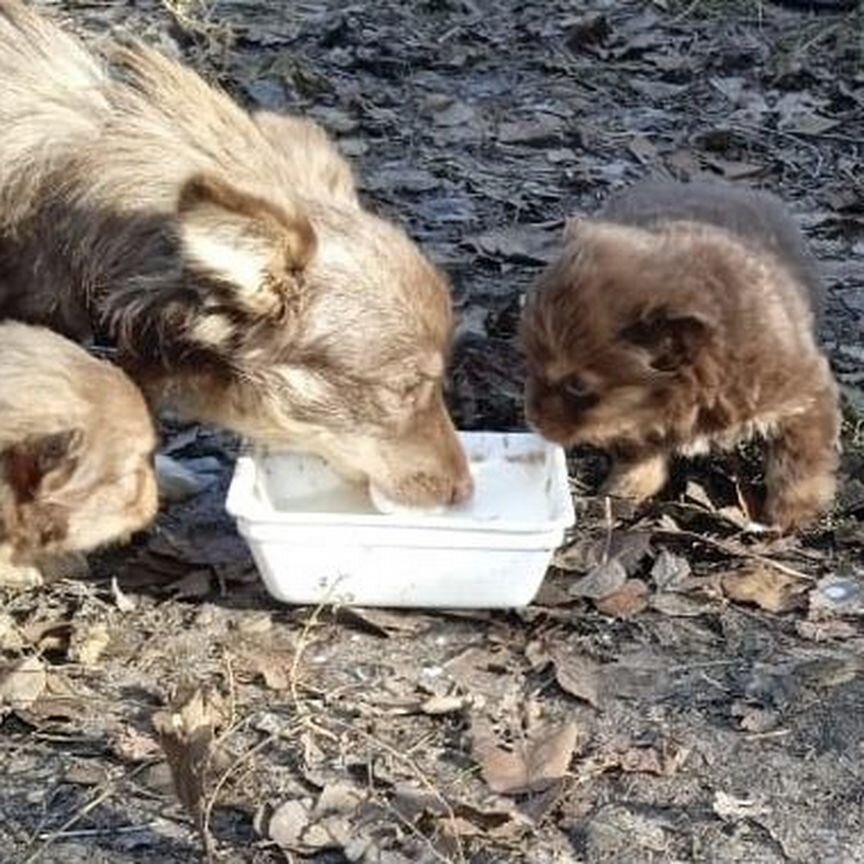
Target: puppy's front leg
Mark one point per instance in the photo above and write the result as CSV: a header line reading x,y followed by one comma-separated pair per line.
x,y
637,476
802,463
17,576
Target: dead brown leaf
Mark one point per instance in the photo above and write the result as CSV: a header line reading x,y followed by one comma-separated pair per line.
x,y
765,587
649,760
22,683
445,704
577,675
288,823
135,746
605,579
298,825
11,637
88,642
534,764
670,571
821,631
123,601
272,667
193,585
629,600
680,605
186,734
61,700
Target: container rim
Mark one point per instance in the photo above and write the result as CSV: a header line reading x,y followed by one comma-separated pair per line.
x,y
242,503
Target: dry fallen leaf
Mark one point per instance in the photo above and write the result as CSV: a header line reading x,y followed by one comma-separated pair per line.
x,y
445,704
88,642
123,601
670,571
603,580
629,600
754,719
298,825
728,807
537,762
288,822
272,667
22,683
764,586
186,735
680,605
648,760
135,746
821,631
577,675
193,585
11,637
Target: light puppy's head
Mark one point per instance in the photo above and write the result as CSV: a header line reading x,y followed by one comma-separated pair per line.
x,y
76,448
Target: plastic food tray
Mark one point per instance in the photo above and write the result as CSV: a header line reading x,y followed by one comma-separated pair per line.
x,y
318,540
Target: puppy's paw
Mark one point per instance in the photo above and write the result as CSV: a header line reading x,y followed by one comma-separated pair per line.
x,y
19,577
637,480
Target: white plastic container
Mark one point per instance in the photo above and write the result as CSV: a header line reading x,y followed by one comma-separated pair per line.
x,y
318,540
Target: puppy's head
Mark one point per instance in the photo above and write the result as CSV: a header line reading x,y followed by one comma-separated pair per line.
x,y
616,334
317,326
76,464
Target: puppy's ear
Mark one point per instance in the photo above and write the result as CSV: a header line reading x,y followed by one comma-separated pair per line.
x,y
255,249
41,464
672,339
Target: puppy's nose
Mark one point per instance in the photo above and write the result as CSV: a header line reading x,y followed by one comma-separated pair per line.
x,y
463,489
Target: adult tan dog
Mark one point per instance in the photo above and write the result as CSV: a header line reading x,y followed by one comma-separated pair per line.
x,y
76,449
682,319
226,254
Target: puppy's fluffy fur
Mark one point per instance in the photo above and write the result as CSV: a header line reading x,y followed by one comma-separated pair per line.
x,y
679,320
226,254
76,448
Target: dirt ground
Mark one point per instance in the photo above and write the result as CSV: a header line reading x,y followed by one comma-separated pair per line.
x,y
682,690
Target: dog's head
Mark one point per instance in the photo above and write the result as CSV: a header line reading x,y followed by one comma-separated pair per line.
x,y
618,334
76,468
315,326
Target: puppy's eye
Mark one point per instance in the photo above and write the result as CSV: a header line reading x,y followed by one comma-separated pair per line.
x,y
575,389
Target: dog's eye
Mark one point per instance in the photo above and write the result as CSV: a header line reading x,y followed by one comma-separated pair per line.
x,y
409,389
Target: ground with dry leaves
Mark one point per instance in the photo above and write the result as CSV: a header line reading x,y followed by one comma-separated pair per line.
x,y
681,690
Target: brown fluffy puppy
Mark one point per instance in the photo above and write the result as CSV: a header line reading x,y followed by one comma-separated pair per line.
x,y
226,254
679,320
76,449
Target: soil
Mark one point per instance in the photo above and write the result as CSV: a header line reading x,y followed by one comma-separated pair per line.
x,y
683,688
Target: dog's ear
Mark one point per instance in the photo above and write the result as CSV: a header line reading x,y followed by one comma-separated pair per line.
x,y
41,464
576,228
671,338
253,249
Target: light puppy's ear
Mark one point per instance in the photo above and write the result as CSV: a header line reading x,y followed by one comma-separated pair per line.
x,y
41,464
254,248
